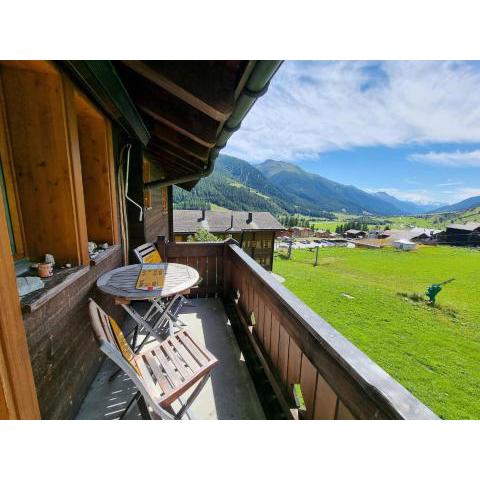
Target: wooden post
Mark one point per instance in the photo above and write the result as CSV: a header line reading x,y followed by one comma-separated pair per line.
x,y
162,248
290,249
316,256
18,397
226,269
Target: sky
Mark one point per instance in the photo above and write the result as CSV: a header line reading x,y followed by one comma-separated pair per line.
x,y
408,128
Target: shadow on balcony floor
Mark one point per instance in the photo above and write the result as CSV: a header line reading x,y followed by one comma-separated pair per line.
x,y
229,394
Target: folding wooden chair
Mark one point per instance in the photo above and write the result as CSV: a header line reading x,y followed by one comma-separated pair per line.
x,y
162,373
148,253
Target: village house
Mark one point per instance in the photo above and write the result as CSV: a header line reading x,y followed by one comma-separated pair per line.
x,y
322,234
89,153
352,233
301,232
416,234
406,245
254,231
467,234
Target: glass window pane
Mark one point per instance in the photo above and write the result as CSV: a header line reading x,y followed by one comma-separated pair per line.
x,y
7,211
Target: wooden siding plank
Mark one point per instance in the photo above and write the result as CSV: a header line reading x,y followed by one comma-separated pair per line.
x,y
294,363
267,325
325,401
259,316
274,340
211,275
343,413
283,355
308,382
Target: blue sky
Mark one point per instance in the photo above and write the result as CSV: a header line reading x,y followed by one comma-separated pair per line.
x,y
409,128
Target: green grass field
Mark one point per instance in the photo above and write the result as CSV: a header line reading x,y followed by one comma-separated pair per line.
x,y
437,221
433,352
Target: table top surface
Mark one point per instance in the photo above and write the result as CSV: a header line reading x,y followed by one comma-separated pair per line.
x,y
121,282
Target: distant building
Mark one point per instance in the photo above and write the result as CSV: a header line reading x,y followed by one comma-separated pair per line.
x,y
302,232
283,233
352,233
378,234
404,244
467,234
321,234
254,231
419,235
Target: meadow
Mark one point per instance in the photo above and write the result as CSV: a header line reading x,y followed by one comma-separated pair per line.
x,y
369,297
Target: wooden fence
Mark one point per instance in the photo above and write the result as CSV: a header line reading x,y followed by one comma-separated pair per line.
x,y
206,258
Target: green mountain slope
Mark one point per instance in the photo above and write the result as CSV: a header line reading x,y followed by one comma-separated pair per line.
x,y
237,185
466,204
326,194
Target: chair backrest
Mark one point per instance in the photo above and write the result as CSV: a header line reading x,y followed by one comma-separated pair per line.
x,y
114,344
147,253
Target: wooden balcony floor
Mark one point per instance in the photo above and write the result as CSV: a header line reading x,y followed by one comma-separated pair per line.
x,y
228,395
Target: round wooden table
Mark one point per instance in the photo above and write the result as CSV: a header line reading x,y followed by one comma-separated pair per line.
x,y
121,284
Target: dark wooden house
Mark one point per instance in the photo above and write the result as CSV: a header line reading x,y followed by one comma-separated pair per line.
x,y
465,235
254,231
352,233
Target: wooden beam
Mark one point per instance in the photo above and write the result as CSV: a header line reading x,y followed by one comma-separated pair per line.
x,y
186,144
102,83
168,109
207,140
18,397
176,152
217,109
75,167
176,163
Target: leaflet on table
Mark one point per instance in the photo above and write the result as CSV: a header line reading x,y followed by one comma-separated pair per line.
x,y
151,277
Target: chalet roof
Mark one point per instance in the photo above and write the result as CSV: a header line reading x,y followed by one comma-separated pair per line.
x,y
416,232
469,227
189,221
183,112
353,231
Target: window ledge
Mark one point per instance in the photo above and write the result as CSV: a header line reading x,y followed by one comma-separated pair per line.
x,y
104,255
53,286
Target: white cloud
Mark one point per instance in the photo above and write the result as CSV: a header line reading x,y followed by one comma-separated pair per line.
x,y
449,159
313,107
463,193
449,183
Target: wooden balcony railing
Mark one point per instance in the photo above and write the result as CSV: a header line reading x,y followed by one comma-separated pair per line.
x,y
296,345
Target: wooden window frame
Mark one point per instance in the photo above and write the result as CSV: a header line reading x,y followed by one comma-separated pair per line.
x,y
96,151
10,184
41,138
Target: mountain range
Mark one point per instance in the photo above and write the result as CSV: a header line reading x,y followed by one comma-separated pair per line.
x,y
285,188
466,204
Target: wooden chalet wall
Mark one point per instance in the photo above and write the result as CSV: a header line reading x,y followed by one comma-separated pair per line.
x,y
18,399
158,205
259,245
58,151
64,353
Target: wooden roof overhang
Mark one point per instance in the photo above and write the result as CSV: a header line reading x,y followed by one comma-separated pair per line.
x,y
182,111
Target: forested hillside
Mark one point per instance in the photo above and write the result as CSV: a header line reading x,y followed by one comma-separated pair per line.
x,y
282,188
237,185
